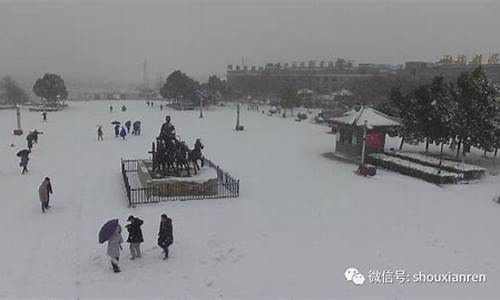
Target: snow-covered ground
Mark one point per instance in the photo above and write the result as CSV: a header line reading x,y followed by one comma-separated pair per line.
x,y
300,221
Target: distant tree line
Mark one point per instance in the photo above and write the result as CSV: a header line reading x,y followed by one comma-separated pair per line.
x,y
462,114
11,92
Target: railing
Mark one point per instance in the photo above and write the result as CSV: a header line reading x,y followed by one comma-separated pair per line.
x,y
225,186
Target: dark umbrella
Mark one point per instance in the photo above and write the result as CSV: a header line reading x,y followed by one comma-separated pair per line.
x,y
107,230
115,123
23,152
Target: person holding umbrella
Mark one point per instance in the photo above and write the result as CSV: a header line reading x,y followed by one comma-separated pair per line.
x,y
24,155
165,234
44,192
111,232
134,236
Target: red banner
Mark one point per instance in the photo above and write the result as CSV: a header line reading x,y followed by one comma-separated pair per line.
x,y
374,140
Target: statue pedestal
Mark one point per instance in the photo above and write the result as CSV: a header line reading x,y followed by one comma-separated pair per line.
x,y
203,184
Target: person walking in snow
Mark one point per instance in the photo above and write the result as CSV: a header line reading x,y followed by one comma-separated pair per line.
x,y
44,192
29,139
123,133
128,124
44,116
114,248
117,130
34,135
99,133
111,108
24,162
134,236
165,234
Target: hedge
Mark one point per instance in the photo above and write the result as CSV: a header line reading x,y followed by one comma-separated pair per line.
x,y
470,172
413,169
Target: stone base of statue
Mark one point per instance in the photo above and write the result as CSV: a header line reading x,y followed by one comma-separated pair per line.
x,y
204,183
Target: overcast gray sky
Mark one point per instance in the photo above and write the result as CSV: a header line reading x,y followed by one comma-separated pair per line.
x,y
109,40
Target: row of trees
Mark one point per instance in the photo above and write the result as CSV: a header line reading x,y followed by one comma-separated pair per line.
x,y
465,113
180,86
50,88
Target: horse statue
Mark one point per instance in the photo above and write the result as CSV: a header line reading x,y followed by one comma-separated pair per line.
x,y
195,155
181,158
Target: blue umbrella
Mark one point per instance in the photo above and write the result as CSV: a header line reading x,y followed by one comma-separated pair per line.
x,y
107,230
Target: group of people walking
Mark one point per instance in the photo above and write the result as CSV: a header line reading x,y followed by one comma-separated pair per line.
x,y
121,131
31,139
135,238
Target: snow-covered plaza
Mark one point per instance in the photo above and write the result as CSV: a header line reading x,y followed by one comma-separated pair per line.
x,y
301,219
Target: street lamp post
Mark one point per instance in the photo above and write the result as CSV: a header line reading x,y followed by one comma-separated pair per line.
x,y
363,149
201,107
237,116
18,130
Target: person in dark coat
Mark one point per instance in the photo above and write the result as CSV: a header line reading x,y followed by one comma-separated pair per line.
x,y
117,130
34,135
123,133
44,192
44,116
111,108
24,162
128,124
29,139
165,234
134,236
99,133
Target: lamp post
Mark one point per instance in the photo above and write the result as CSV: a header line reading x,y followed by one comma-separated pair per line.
x,y
18,130
237,116
201,105
363,149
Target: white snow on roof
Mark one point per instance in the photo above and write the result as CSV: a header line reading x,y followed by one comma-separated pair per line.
x,y
373,117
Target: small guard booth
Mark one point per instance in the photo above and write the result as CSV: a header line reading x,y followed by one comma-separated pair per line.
x,y
351,127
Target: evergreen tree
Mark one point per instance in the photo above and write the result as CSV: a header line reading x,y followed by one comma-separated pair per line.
x,y
477,109
180,86
50,87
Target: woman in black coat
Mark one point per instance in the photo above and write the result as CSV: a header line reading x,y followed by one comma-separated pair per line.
x,y
165,234
134,236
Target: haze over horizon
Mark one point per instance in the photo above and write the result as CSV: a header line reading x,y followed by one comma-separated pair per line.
x,y
108,42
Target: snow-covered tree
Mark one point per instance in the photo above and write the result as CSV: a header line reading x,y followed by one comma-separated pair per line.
x,y
477,109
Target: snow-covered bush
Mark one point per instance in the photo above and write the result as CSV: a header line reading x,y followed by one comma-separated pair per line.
x,y
406,167
470,172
